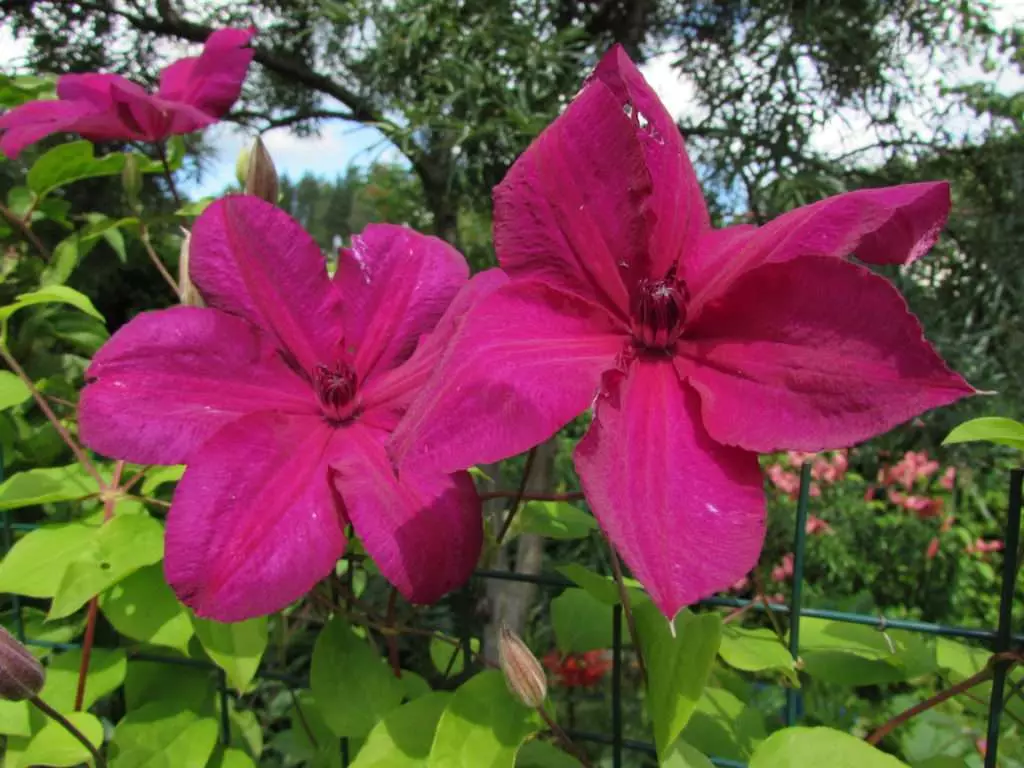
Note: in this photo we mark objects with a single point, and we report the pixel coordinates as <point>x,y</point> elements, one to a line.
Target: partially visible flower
<point>194,93</point>
<point>785,481</point>
<point>983,547</point>
<point>797,458</point>
<point>933,548</point>
<point>922,506</point>
<point>21,675</point>
<point>830,469</point>
<point>741,585</point>
<point>260,175</point>
<point>784,569</point>
<point>912,467</point>
<point>280,398</point>
<point>948,479</point>
<point>816,525</point>
<point>524,675</point>
<point>578,670</point>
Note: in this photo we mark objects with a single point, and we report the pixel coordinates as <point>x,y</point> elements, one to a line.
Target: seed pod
<point>189,293</point>
<point>523,673</point>
<point>21,676</point>
<point>261,176</point>
<point>131,179</point>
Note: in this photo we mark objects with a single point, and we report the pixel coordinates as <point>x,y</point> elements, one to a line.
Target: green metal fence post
<point>794,698</point>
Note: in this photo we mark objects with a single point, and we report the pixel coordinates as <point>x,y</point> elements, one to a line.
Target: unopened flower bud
<point>261,176</point>
<point>21,676</point>
<point>131,179</point>
<point>189,294</point>
<point>242,166</point>
<point>523,673</point>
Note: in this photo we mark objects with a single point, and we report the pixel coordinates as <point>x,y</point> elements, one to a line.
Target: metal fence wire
<point>998,640</point>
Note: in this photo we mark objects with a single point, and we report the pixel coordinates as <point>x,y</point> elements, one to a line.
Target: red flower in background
<point>194,92</point>
<point>578,670</point>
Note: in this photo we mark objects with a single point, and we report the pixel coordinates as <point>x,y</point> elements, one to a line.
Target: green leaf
<point>54,746</point>
<point>37,561</point>
<point>160,735</point>
<point>602,588</point>
<point>482,726</point>
<point>46,485</point>
<point>38,628</point>
<point>230,758</point>
<point>183,687</point>
<point>441,653</point>
<point>51,294</point>
<point>853,655</point>
<point>580,622</point>
<point>544,754</point>
<point>144,608</point>
<point>725,726</point>
<point>553,519</point>
<point>819,746</point>
<point>159,476</point>
<point>68,163</point>
<point>107,669</point>
<point>117,549</point>
<point>756,650</point>
<point>353,687</point>
<point>236,648</point>
<point>682,755</point>
<point>414,685</point>
<point>403,738</point>
<point>677,667</point>
<point>13,391</point>
<point>14,718</point>
<point>990,429</point>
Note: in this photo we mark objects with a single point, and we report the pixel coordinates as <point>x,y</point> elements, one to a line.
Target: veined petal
<point>686,513</point>
<point>678,214</point>
<point>212,81</point>
<point>889,225</point>
<point>34,121</point>
<point>811,354</point>
<point>524,363</point>
<point>423,529</point>
<point>572,210</point>
<point>395,284</point>
<point>254,523</point>
<point>253,260</point>
<point>168,380</point>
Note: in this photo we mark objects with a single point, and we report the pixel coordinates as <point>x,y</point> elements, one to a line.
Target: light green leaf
<point>990,429</point>
<point>46,485</point>
<point>107,669</point>
<point>581,622</point>
<point>51,294</point>
<point>54,746</point>
<point>482,726</point>
<point>851,654</point>
<point>160,735</point>
<point>68,163</point>
<point>724,726</point>
<point>159,476</point>
<point>682,755</point>
<point>14,718</point>
<point>353,687</point>
<point>414,685</point>
<point>236,648</point>
<point>603,588</point>
<point>677,667</point>
<point>38,628</point>
<point>37,561</point>
<point>13,391</point>
<point>544,754</point>
<point>819,746</point>
<point>119,548</point>
<point>756,650</point>
<point>441,653</point>
<point>403,738</point>
<point>230,758</point>
<point>144,608</point>
<point>553,519</point>
<point>245,730</point>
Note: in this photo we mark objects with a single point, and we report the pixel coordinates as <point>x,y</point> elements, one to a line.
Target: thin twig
<point>162,150</point>
<point>44,406</point>
<point>627,609</point>
<point>68,726</point>
<point>563,737</point>
<point>25,230</point>
<point>155,258</point>
<point>302,720</point>
<point>514,507</point>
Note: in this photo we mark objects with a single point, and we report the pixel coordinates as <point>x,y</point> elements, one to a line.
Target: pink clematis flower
<point>697,348</point>
<point>280,397</point>
<point>194,92</point>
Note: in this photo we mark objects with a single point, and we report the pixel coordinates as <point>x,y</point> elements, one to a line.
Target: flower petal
<point>686,513</point>
<point>571,210</point>
<point>678,212</point>
<point>811,354</point>
<point>254,523</point>
<point>212,81</point>
<point>168,380</point>
<point>34,121</point>
<point>524,363</point>
<point>424,530</point>
<point>889,225</point>
<point>395,284</point>
<point>252,259</point>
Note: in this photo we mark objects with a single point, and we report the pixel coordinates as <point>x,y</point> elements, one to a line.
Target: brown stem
<point>162,151</point>
<point>518,499</point>
<point>67,725</point>
<point>51,416</point>
<point>563,737</point>
<point>25,231</point>
<point>507,494</point>
<point>627,609</point>
<point>155,258</point>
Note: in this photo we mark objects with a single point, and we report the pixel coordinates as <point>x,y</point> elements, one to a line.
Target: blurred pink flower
<point>933,548</point>
<point>922,506</point>
<point>948,479</point>
<point>784,569</point>
<point>194,93</point>
<point>797,458</point>
<point>816,525</point>
<point>983,547</point>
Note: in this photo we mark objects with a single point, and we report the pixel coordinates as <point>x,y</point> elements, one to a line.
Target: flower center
<point>659,312</point>
<point>335,388</point>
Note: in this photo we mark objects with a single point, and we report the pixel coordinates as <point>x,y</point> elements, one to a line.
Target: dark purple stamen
<point>659,312</point>
<point>335,388</point>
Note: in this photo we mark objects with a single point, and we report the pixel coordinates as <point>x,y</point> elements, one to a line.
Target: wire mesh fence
<point>999,640</point>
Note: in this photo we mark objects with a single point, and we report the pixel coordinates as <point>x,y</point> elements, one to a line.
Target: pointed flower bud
<point>261,176</point>
<point>523,673</point>
<point>189,293</point>
<point>131,179</point>
<point>21,675</point>
<point>242,166</point>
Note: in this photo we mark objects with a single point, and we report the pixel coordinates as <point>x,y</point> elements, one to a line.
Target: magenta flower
<point>279,398</point>
<point>702,347</point>
<point>194,93</point>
